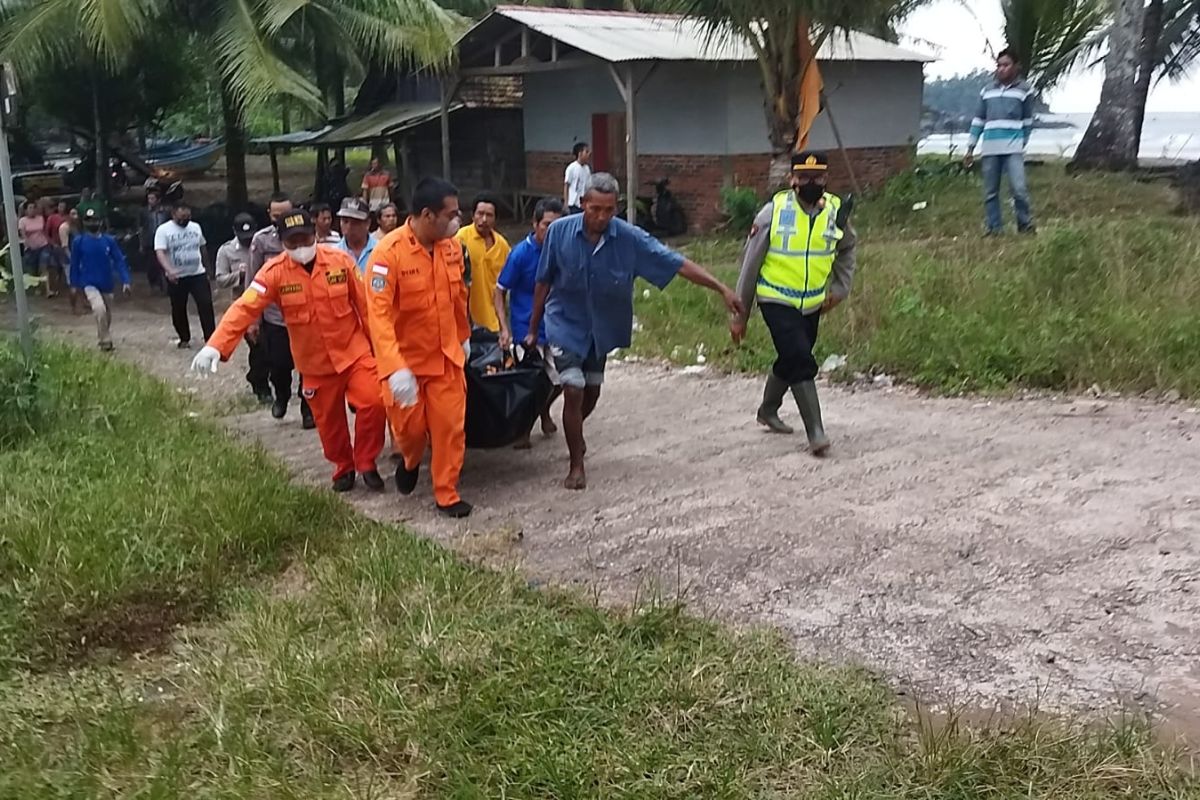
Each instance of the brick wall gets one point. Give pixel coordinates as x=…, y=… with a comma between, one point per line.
x=696, y=180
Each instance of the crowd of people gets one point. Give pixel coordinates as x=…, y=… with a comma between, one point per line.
x=376, y=316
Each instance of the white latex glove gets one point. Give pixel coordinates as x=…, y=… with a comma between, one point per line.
x=404, y=387
x=467, y=349
x=206, y=360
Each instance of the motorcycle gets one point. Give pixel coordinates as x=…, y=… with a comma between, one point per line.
x=661, y=214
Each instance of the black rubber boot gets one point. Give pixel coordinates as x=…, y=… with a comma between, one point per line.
x=343, y=483
x=805, y=393
x=768, y=412
x=406, y=480
x=373, y=481
x=458, y=510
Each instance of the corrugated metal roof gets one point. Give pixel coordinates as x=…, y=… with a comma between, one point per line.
x=293, y=138
x=617, y=36
x=381, y=123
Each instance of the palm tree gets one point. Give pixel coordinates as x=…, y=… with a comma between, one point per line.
x=774, y=29
x=242, y=37
x=1052, y=36
x=1147, y=43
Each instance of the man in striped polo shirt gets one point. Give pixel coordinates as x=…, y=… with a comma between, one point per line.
x=1001, y=127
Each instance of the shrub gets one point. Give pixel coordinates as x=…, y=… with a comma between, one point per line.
x=20, y=401
x=740, y=204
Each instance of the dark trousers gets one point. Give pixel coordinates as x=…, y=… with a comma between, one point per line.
x=276, y=352
x=794, y=335
x=198, y=288
x=154, y=273
x=258, y=375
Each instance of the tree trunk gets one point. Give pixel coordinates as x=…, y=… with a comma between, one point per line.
x=237, y=194
x=1148, y=51
x=1110, y=141
x=285, y=114
x=101, y=149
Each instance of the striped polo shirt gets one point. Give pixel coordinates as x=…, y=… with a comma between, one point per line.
x=1004, y=119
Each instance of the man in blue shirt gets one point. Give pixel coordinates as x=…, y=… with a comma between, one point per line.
x=355, y=219
x=585, y=291
x=94, y=256
x=518, y=280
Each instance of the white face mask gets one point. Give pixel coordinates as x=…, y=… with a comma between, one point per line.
x=302, y=255
x=453, y=228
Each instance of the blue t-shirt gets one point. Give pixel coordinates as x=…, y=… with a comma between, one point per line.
x=518, y=278
x=590, y=307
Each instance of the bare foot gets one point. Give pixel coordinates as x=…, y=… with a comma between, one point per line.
x=524, y=444
x=548, y=427
x=576, y=479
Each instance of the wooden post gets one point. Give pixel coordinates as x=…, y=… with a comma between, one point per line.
x=631, y=150
x=449, y=89
x=271, y=148
x=406, y=180
x=397, y=160
x=837, y=136
x=628, y=90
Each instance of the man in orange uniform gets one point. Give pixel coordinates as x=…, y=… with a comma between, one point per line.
x=417, y=306
x=325, y=311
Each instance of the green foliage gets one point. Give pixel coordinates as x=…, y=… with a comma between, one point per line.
x=123, y=496
x=740, y=204
x=1052, y=36
x=1107, y=293
x=21, y=403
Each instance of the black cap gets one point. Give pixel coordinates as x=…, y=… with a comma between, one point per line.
x=243, y=226
x=297, y=221
x=806, y=160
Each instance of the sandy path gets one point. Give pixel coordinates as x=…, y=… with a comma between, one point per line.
x=985, y=552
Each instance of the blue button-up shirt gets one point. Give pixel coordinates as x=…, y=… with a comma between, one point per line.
x=518, y=278
x=362, y=260
x=591, y=285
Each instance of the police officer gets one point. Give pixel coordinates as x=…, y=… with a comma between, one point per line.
x=798, y=264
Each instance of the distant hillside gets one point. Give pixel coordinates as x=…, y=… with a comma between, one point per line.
x=951, y=102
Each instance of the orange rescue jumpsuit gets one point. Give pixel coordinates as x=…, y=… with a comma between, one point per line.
x=326, y=317
x=417, y=307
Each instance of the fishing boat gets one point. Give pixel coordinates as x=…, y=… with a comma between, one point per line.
x=178, y=160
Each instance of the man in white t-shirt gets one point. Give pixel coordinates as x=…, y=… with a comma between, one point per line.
x=576, y=180
x=179, y=245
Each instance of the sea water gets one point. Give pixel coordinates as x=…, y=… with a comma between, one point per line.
x=1173, y=136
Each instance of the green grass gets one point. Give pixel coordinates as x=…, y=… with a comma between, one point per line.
x=123, y=513
x=380, y=666
x=1108, y=293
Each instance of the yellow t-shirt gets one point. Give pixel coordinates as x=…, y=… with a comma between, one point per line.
x=486, y=265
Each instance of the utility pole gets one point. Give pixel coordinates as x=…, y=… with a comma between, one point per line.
x=7, y=107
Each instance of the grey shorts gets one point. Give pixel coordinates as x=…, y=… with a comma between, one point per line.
x=576, y=371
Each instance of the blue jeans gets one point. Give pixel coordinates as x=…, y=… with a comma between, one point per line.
x=993, y=167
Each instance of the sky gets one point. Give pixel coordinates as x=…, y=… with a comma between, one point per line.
x=958, y=33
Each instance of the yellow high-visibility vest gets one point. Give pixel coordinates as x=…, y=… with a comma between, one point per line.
x=800, y=257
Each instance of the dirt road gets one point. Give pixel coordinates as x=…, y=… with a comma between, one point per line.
x=985, y=552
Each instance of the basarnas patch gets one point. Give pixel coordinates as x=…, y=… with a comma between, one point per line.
x=378, y=277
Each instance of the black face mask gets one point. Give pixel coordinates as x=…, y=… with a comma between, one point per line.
x=810, y=192
x=183, y=223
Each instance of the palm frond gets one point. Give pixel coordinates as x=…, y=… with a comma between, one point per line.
x=1179, y=44
x=252, y=69
x=1052, y=36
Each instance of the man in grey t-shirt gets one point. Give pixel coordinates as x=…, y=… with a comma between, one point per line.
x=179, y=247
